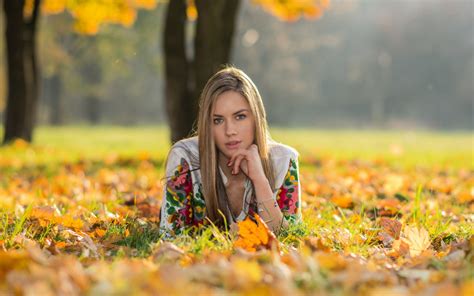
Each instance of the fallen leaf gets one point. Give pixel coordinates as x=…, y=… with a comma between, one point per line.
x=390, y=230
x=253, y=236
x=417, y=239
x=399, y=248
x=343, y=201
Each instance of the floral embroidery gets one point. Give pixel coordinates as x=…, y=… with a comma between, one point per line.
x=183, y=208
x=199, y=208
x=184, y=205
x=288, y=195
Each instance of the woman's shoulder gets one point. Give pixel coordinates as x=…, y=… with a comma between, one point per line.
x=280, y=150
x=187, y=149
x=189, y=145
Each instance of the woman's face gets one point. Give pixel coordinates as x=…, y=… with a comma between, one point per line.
x=232, y=124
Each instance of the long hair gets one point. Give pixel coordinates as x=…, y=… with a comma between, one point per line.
x=227, y=79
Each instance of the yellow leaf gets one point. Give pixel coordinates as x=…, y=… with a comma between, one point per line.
x=53, y=6
x=249, y=270
x=417, y=239
x=191, y=11
x=146, y=4
x=70, y=222
x=28, y=8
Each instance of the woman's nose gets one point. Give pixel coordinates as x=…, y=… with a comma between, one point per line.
x=230, y=129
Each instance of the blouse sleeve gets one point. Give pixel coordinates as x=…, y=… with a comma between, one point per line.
x=289, y=194
x=176, y=209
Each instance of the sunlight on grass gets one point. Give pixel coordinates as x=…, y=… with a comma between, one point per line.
x=401, y=148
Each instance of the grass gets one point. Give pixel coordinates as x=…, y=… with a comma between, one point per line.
x=399, y=147
x=403, y=148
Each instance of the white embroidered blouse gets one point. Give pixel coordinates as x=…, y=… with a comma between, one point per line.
x=184, y=205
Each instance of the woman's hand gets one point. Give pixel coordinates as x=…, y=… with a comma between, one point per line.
x=248, y=160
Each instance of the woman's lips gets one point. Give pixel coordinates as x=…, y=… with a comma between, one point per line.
x=233, y=144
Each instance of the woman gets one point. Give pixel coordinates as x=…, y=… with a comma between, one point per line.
x=231, y=168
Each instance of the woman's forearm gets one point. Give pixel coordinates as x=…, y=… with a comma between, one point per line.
x=268, y=208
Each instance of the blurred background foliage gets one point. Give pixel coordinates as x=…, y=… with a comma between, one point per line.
x=364, y=64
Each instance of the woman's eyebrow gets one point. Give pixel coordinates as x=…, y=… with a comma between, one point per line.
x=235, y=113
x=242, y=110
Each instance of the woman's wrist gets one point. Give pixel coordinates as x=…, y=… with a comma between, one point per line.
x=260, y=180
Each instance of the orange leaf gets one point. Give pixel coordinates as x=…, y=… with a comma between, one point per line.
x=60, y=245
x=342, y=201
x=466, y=196
x=100, y=232
x=253, y=236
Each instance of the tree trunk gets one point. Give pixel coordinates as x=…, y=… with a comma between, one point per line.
x=213, y=40
x=22, y=94
x=186, y=77
x=180, y=117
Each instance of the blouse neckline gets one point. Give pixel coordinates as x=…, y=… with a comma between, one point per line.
x=248, y=192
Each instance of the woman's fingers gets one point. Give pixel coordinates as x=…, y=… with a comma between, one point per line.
x=236, y=161
x=236, y=166
x=236, y=154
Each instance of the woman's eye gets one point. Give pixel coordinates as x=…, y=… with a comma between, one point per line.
x=241, y=116
x=217, y=120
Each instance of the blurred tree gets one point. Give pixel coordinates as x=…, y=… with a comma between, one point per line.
x=22, y=93
x=21, y=23
x=186, y=74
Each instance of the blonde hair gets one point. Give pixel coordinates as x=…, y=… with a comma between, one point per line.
x=227, y=79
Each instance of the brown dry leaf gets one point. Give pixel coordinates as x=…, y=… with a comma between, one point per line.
x=417, y=239
x=390, y=230
x=399, y=248
x=388, y=207
x=253, y=236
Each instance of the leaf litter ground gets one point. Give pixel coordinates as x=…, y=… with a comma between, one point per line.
x=91, y=227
